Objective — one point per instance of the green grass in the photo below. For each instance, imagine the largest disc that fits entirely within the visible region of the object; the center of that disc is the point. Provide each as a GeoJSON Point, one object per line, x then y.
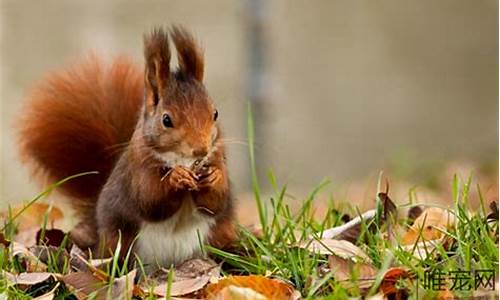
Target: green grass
{"type": "Point", "coordinates": [473, 246]}
{"type": "Point", "coordinates": [275, 252]}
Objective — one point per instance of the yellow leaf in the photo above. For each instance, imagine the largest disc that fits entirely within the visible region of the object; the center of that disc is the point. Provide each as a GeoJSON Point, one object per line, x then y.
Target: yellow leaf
{"type": "Point", "coordinates": [429, 226]}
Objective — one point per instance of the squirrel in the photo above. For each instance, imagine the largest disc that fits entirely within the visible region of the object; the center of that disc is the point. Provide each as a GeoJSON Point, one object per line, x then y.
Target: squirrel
{"type": "Point", "coordinates": [152, 134]}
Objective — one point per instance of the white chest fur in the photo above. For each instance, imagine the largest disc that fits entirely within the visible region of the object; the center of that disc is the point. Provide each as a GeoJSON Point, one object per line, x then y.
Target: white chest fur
{"type": "Point", "coordinates": [175, 239]}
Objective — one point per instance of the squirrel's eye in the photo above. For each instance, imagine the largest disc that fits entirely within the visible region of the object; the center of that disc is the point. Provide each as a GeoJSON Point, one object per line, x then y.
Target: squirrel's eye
{"type": "Point", "coordinates": [216, 115]}
{"type": "Point", "coordinates": [167, 122]}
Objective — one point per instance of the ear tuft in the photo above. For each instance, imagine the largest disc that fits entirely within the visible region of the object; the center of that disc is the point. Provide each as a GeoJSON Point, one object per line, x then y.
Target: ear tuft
{"type": "Point", "coordinates": [190, 55]}
{"type": "Point", "coordinates": [157, 57]}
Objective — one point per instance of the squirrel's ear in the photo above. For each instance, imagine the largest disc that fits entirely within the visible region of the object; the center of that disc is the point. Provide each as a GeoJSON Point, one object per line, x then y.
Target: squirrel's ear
{"type": "Point", "coordinates": [157, 70]}
{"type": "Point", "coordinates": [190, 56]}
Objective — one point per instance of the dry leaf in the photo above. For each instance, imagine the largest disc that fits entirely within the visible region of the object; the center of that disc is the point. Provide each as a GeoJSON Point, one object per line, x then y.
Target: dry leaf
{"type": "Point", "coordinates": [34, 215]}
{"type": "Point", "coordinates": [183, 287]}
{"type": "Point", "coordinates": [78, 259]}
{"type": "Point", "coordinates": [422, 250]}
{"type": "Point", "coordinates": [388, 286]}
{"type": "Point", "coordinates": [429, 226]}
{"type": "Point", "coordinates": [238, 293]}
{"type": "Point", "coordinates": [341, 248]}
{"type": "Point", "coordinates": [82, 284]}
{"type": "Point", "coordinates": [345, 229]}
{"type": "Point", "coordinates": [123, 287]}
{"type": "Point", "coordinates": [189, 277]}
{"type": "Point", "coordinates": [49, 254]}
{"type": "Point", "coordinates": [51, 237]}
{"type": "Point", "coordinates": [28, 278]}
{"type": "Point", "coordinates": [50, 295]}
{"type": "Point", "coordinates": [413, 213]}
{"type": "Point", "coordinates": [26, 237]}
{"type": "Point", "coordinates": [345, 269]}
{"type": "Point", "coordinates": [267, 287]}
{"type": "Point", "coordinates": [33, 264]}
{"type": "Point", "coordinates": [494, 211]}
{"type": "Point", "coordinates": [4, 241]}
{"type": "Point", "coordinates": [378, 296]}
{"type": "Point", "coordinates": [351, 230]}
{"type": "Point", "coordinates": [445, 294]}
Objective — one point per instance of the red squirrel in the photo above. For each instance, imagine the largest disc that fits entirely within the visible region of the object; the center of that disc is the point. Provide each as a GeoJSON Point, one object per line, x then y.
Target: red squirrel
{"type": "Point", "coordinates": [153, 136]}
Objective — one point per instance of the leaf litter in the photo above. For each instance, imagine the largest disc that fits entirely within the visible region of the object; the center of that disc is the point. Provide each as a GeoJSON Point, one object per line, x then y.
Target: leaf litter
{"type": "Point", "coordinates": [426, 230]}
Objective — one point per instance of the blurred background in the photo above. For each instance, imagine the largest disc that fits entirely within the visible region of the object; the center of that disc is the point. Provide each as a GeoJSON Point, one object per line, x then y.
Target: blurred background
{"type": "Point", "coordinates": [339, 89]}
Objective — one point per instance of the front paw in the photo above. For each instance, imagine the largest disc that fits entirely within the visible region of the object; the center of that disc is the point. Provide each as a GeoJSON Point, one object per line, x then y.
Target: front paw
{"type": "Point", "coordinates": [209, 177]}
{"type": "Point", "coordinates": [181, 178]}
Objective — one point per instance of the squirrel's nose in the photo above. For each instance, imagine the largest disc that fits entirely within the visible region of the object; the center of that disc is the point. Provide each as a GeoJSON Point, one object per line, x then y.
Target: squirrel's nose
{"type": "Point", "coordinates": [200, 152]}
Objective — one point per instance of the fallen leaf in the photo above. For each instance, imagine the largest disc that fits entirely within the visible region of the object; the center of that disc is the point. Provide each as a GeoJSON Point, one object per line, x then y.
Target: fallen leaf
{"type": "Point", "coordinates": [429, 226]}
{"type": "Point", "coordinates": [83, 284]}
{"type": "Point", "coordinates": [34, 215]}
{"type": "Point", "coordinates": [389, 286]}
{"type": "Point", "coordinates": [350, 230]}
{"type": "Point", "coordinates": [50, 295]}
{"type": "Point", "coordinates": [28, 278]}
{"type": "Point", "coordinates": [189, 277]}
{"type": "Point", "coordinates": [378, 296]}
{"type": "Point", "coordinates": [32, 262]}
{"type": "Point", "coordinates": [123, 287]}
{"type": "Point", "coordinates": [51, 237]}
{"type": "Point", "coordinates": [267, 287]}
{"type": "Point", "coordinates": [182, 287]}
{"type": "Point", "coordinates": [389, 209]}
{"type": "Point", "coordinates": [50, 254]}
{"type": "Point", "coordinates": [345, 271]}
{"type": "Point", "coordinates": [494, 211]}
{"type": "Point", "coordinates": [341, 248]}
{"type": "Point", "coordinates": [445, 294]}
{"type": "Point", "coordinates": [26, 237]}
{"type": "Point", "coordinates": [78, 259]}
{"type": "Point", "coordinates": [4, 241]}
{"type": "Point", "coordinates": [413, 213]}
{"type": "Point", "coordinates": [238, 293]}
{"type": "Point", "coordinates": [424, 249]}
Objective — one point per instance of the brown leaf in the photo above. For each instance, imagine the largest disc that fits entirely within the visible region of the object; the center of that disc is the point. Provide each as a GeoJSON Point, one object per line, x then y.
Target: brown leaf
{"type": "Point", "coordinates": [51, 237]}
{"type": "Point", "coordinates": [422, 250]}
{"type": "Point", "coordinates": [50, 295]}
{"type": "Point", "coordinates": [413, 213]}
{"type": "Point", "coordinates": [240, 293]}
{"type": "Point", "coordinates": [29, 278]}
{"type": "Point", "coordinates": [34, 215]}
{"type": "Point", "coordinates": [123, 287]}
{"type": "Point", "coordinates": [32, 263]}
{"type": "Point", "coordinates": [494, 211]}
{"type": "Point", "coordinates": [350, 230]}
{"type": "Point", "coordinates": [345, 269]}
{"type": "Point", "coordinates": [4, 241]}
{"type": "Point", "coordinates": [388, 286]}
{"type": "Point", "coordinates": [82, 284]}
{"type": "Point", "coordinates": [26, 237]}
{"type": "Point", "coordinates": [189, 277]}
{"type": "Point", "coordinates": [429, 226]}
{"type": "Point", "coordinates": [260, 285]}
{"type": "Point", "coordinates": [388, 206]}
{"type": "Point", "coordinates": [49, 254]}
{"type": "Point", "coordinates": [78, 259]}
{"type": "Point", "coordinates": [341, 248]}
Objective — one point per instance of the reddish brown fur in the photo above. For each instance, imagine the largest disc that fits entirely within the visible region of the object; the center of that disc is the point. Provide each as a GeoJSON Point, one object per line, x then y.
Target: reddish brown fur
{"type": "Point", "coordinates": [79, 120]}
{"type": "Point", "coordinates": [90, 118]}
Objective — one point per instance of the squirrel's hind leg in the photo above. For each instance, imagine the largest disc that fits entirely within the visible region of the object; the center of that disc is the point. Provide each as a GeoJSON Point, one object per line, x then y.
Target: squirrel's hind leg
{"type": "Point", "coordinates": [84, 235]}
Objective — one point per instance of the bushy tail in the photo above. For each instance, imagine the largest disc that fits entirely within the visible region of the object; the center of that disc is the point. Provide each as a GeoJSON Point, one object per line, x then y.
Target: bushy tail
{"type": "Point", "coordinates": [78, 120]}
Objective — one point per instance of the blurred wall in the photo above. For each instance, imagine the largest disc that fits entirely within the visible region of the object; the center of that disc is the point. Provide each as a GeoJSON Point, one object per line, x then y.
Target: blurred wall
{"type": "Point", "coordinates": [349, 86]}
